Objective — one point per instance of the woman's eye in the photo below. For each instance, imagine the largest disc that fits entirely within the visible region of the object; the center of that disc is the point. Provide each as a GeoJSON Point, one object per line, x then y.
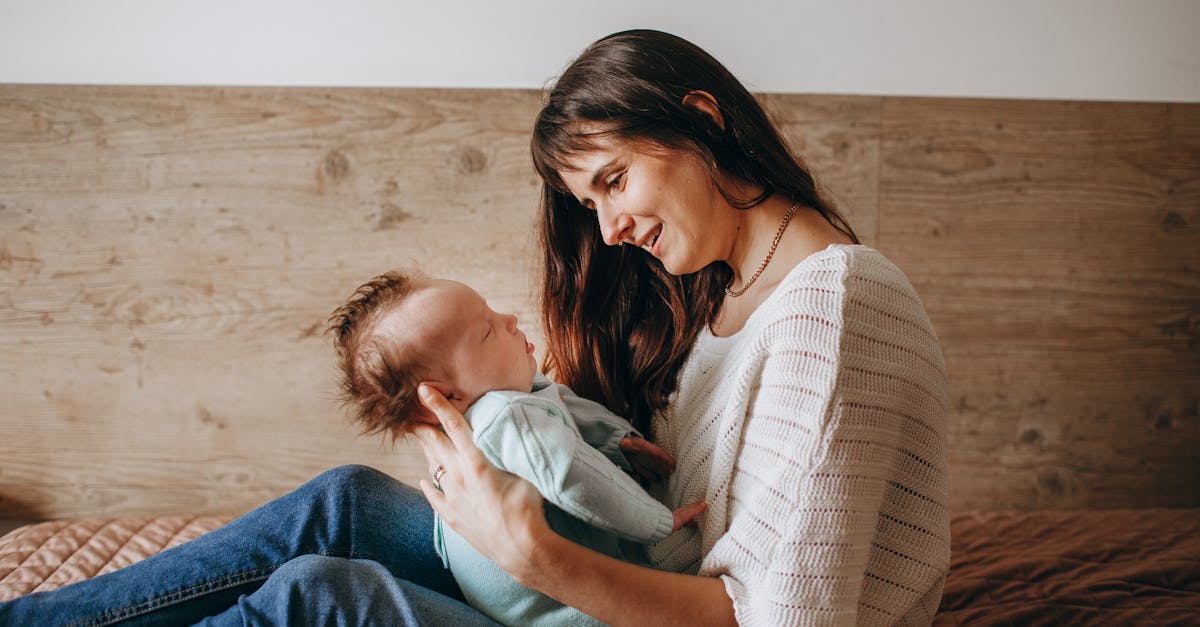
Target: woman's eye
{"type": "Point", "coordinates": [615, 181]}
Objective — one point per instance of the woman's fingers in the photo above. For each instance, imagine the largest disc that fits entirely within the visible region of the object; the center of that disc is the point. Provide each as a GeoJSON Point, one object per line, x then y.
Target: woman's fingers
{"type": "Point", "coordinates": [452, 420]}
{"type": "Point", "coordinates": [458, 434]}
{"type": "Point", "coordinates": [437, 447]}
{"type": "Point", "coordinates": [432, 494]}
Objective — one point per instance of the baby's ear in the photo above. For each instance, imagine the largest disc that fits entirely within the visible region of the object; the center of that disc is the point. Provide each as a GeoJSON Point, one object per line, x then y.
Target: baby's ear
{"type": "Point", "coordinates": [443, 387]}
{"type": "Point", "coordinates": [451, 393]}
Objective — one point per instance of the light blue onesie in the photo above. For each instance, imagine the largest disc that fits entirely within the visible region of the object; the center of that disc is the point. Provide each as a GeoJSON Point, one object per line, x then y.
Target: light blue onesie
{"type": "Point", "coordinates": [567, 447]}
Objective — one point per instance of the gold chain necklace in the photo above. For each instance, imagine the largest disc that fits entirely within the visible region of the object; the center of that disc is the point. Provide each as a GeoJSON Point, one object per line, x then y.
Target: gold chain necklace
{"type": "Point", "coordinates": [787, 217]}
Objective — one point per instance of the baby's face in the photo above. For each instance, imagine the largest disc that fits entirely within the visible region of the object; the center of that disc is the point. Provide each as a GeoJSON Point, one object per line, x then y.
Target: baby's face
{"type": "Point", "coordinates": [480, 350]}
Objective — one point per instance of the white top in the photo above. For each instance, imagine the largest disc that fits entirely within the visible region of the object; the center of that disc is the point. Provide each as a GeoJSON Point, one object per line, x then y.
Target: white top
{"type": "Point", "coordinates": [817, 436]}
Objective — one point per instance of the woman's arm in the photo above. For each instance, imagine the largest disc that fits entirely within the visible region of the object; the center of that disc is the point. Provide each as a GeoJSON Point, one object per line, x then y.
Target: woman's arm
{"type": "Point", "coordinates": [620, 593]}
{"type": "Point", "coordinates": [502, 516]}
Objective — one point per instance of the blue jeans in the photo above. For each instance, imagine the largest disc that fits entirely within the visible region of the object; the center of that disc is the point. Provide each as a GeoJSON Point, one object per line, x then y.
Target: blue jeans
{"type": "Point", "coordinates": [351, 547]}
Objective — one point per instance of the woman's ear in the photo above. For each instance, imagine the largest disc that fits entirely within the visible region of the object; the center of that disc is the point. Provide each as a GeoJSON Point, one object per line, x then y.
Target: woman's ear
{"type": "Point", "coordinates": [703, 102]}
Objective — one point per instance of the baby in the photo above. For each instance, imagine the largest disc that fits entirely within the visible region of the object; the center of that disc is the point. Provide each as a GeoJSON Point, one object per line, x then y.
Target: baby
{"type": "Point", "coordinates": [400, 330]}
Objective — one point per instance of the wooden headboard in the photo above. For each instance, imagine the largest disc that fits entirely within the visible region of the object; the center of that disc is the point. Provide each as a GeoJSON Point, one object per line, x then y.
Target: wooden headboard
{"type": "Point", "coordinates": [168, 258]}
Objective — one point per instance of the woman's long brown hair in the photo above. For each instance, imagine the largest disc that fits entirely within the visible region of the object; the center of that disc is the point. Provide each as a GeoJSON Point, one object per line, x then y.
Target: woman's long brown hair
{"type": "Point", "coordinates": [618, 326]}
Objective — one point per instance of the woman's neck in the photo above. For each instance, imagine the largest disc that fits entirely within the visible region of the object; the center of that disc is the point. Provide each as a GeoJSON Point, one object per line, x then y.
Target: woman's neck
{"type": "Point", "coordinates": [807, 232]}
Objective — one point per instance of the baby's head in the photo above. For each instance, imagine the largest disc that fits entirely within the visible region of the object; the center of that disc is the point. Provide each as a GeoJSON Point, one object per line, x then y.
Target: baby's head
{"type": "Point", "coordinates": [399, 330]}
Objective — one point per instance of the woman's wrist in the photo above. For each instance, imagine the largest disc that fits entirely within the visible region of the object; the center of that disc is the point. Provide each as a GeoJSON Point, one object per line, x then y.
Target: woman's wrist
{"type": "Point", "coordinates": [539, 547]}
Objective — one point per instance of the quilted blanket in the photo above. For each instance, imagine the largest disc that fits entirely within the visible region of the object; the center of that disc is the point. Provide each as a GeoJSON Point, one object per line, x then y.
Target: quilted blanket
{"type": "Point", "coordinates": [49, 555]}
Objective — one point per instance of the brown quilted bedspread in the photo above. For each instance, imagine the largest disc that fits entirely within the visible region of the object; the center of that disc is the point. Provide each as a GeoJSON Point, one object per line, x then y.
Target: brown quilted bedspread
{"type": "Point", "coordinates": [50, 555]}
{"type": "Point", "coordinates": [1126, 567]}
{"type": "Point", "coordinates": [1122, 567]}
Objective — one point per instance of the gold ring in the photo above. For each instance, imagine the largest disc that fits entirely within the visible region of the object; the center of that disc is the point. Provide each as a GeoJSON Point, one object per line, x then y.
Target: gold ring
{"type": "Point", "coordinates": [438, 473]}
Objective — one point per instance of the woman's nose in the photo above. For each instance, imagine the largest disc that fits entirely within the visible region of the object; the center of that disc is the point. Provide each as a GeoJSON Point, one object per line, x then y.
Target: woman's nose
{"type": "Point", "coordinates": [614, 226]}
{"type": "Point", "coordinates": [511, 323]}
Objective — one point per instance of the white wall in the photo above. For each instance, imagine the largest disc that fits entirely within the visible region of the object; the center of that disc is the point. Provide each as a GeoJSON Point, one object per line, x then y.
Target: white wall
{"type": "Point", "coordinates": [1076, 49]}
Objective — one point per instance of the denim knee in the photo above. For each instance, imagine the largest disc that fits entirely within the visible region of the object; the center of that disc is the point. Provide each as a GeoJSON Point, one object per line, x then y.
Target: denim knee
{"type": "Point", "coordinates": [351, 479]}
{"type": "Point", "coordinates": [322, 579]}
{"type": "Point", "coordinates": [323, 590]}
{"type": "Point", "coordinates": [324, 570]}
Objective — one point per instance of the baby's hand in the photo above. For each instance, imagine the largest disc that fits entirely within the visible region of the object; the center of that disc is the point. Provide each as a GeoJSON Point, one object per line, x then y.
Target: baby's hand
{"type": "Point", "coordinates": [686, 515]}
{"type": "Point", "coordinates": [648, 460]}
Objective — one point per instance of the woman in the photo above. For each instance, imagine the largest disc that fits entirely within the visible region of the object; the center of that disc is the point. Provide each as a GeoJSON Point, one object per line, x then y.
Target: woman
{"type": "Point", "coordinates": [792, 373]}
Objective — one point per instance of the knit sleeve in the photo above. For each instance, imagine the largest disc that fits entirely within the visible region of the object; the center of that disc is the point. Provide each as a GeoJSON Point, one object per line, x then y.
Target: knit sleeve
{"type": "Point", "coordinates": [837, 506]}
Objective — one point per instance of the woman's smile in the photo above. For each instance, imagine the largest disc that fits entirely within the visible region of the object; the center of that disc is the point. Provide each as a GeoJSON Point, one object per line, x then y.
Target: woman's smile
{"type": "Point", "coordinates": [649, 242]}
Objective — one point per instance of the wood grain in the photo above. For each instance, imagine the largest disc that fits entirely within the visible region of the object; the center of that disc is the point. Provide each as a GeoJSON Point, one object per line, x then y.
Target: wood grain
{"type": "Point", "coordinates": [168, 257]}
{"type": "Point", "coordinates": [1055, 245]}
{"type": "Point", "coordinates": [838, 137]}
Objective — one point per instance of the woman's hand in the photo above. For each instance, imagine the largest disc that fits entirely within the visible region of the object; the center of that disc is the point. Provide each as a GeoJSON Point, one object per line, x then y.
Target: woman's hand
{"type": "Point", "coordinates": [647, 459]}
{"type": "Point", "coordinates": [498, 513]}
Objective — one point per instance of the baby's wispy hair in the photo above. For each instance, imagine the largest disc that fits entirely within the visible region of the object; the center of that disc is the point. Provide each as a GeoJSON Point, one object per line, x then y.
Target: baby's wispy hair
{"type": "Point", "coordinates": [378, 377]}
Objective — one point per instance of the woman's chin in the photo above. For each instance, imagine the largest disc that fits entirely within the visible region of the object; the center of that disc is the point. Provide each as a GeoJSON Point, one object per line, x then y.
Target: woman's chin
{"type": "Point", "coordinates": [678, 267]}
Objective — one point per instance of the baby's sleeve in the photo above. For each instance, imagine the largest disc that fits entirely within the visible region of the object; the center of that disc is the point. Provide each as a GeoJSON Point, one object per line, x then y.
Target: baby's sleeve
{"type": "Point", "coordinates": [601, 429]}
{"type": "Point", "coordinates": [535, 441]}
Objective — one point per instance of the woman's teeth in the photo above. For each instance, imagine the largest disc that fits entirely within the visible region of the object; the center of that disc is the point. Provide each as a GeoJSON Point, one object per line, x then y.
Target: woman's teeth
{"type": "Point", "coordinates": [653, 239]}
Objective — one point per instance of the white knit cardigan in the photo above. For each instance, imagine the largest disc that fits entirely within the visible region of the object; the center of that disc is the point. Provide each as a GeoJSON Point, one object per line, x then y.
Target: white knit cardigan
{"type": "Point", "coordinates": [816, 434]}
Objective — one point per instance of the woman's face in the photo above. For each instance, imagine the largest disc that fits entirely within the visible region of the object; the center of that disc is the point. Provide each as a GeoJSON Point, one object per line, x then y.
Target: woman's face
{"type": "Point", "coordinates": [661, 200]}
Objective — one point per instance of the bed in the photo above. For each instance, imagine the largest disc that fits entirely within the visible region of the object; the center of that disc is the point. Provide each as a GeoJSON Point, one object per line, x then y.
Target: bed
{"type": "Point", "coordinates": [1104, 567]}
{"type": "Point", "coordinates": [1101, 567]}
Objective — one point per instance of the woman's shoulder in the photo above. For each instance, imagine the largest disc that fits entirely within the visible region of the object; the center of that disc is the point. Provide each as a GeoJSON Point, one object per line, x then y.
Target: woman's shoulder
{"type": "Point", "coordinates": [845, 271]}
{"type": "Point", "coordinates": [843, 265]}
{"type": "Point", "coordinates": [825, 274]}
{"type": "Point", "coordinates": [834, 286]}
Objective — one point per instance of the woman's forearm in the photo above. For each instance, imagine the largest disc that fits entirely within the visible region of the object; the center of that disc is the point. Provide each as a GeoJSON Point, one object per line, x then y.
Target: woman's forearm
{"type": "Point", "coordinates": [620, 593]}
